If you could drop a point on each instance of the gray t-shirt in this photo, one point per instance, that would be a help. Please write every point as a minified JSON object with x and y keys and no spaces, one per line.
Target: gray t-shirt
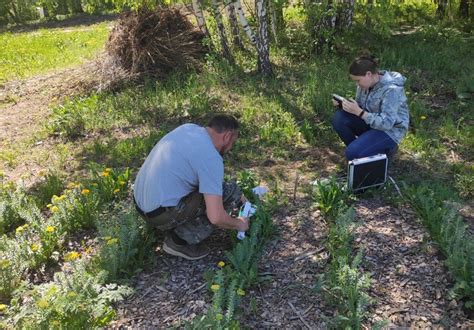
{"x":183,"y":161}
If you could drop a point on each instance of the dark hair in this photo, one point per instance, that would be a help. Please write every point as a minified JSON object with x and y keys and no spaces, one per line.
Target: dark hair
{"x":221,"y":123}
{"x":362,"y":64}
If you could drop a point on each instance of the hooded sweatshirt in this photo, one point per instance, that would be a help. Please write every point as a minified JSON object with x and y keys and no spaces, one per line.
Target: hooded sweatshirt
{"x":386,"y":105}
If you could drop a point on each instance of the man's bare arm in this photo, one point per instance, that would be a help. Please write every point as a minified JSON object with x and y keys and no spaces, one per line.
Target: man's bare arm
{"x":219,"y":217}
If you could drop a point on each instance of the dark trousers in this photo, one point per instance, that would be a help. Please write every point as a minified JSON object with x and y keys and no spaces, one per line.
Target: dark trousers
{"x":188,"y":220}
{"x":361,"y":140}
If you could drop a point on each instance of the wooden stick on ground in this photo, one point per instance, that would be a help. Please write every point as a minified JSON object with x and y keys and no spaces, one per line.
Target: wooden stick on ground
{"x":299,"y":315}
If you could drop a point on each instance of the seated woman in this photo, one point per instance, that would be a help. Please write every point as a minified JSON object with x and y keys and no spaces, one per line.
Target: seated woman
{"x":378,"y":119}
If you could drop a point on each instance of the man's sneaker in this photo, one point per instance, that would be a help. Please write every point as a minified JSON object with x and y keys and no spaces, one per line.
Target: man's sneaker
{"x":188,"y":251}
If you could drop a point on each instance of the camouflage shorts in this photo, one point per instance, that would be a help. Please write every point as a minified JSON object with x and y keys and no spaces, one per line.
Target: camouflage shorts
{"x":188,"y":219}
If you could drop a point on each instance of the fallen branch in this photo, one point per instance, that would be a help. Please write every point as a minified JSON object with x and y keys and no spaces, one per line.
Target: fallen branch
{"x":299,"y":315}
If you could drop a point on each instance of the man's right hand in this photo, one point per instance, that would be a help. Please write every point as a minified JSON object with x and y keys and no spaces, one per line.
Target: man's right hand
{"x":243,"y":223}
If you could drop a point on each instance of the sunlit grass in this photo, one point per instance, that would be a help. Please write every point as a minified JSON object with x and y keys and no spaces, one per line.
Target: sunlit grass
{"x":29,"y":53}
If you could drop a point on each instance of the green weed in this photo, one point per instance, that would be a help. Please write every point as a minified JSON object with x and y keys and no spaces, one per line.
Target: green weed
{"x":126,"y":243}
{"x":329,"y":196}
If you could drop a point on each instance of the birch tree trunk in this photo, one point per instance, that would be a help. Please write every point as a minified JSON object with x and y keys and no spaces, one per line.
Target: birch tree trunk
{"x":263,"y":43}
{"x":234,"y":27}
{"x":346,"y":14}
{"x":243,"y":21}
{"x":221,"y":31}
{"x":200,"y":17}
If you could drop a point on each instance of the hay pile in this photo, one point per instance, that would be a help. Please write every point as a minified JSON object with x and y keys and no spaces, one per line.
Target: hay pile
{"x":154,"y":42}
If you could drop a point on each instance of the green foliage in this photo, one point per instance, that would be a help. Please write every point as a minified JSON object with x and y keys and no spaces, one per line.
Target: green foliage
{"x":126,"y":245}
{"x":247,"y":180}
{"x":74,"y":300}
{"x":330,"y":197}
{"x":340,"y":234}
{"x":345,"y":285}
{"x":13,"y":203}
{"x":448,"y":229}
{"x":52,"y":184}
{"x":228,"y":283}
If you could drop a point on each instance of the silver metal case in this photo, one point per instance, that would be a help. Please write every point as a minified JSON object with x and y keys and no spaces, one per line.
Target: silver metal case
{"x":367,"y":172}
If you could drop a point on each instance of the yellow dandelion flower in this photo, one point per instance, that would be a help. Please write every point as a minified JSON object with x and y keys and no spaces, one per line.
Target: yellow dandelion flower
{"x":71,"y":256}
{"x":34,"y":247}
{"x":215,"y":287}
{"x":112,"y":241}
{"x":240,"y":292}
{"x":85,"y":191}
{"x":218,"y":317}
{"x":42,"y":303}
{"x":54,"y":209}
{"x":20,"y":229}
{"x":50,"y":229}
{"x":49,"y":205}
{"x":122,"y":182}
{"x":116,"y":190}
{"x":60,"y":198}
{"x":108,"y":169}
{"x":3,"y":307}
{"x":94,"y":184}
{"x":71,"y":185}
{"x":422,"y":117}
{"x":105,"y":174}
{"x":221,"y":264}
{"x":55,"y":198}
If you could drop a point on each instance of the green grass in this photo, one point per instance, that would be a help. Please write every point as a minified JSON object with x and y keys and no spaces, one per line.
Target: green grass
{"x":29,"y":53}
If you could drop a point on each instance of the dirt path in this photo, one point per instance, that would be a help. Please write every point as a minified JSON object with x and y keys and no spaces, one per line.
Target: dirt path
{"x":409,"y":283}
{"x":25,"y":104}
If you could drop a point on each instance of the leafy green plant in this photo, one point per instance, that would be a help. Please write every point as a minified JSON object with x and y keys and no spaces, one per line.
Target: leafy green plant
{"x":345,"y":286}
{"x":109,"y":183}
{"x":329,"y":196}
{"x":74,"y":299}
{"x":52,"y":184}
{"x":13,"y":201}
{"x":126,"y":243}
{"x":448,"y":229}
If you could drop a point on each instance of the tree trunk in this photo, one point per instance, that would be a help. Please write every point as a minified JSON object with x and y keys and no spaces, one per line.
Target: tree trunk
{"x":14,"y":13}
{"x":234,"y":27}
{"x":221,"y":30}
{"x":325,"y":28}
{"x":243,"y":21}
{"x":346,"y":14}
{"x":273,"y":21}
{"x":200,"y":17}
{"x":464,"y":9}
{"x":263,"y":44}
{"x":441,"y":9}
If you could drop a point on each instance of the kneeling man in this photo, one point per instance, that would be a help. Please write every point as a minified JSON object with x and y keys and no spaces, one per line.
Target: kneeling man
{"x":180,"y":187}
